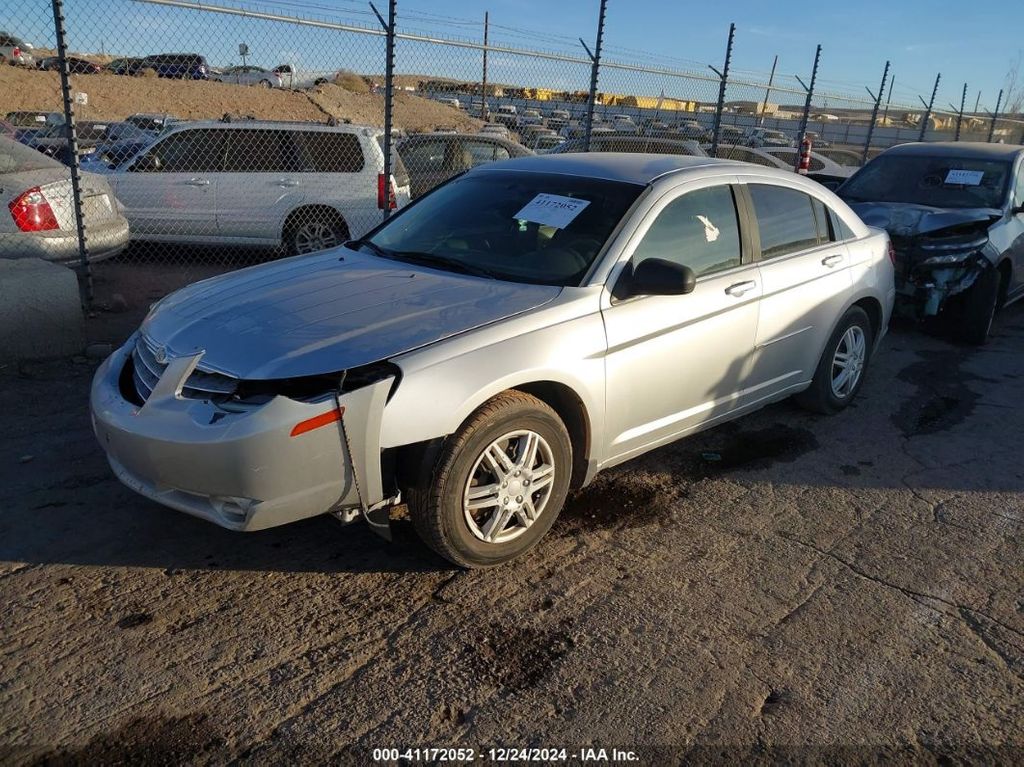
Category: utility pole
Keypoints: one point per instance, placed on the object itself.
(768, 90)
(483, 89)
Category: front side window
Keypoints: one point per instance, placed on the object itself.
(523, 227)
(785, 219)
(698, 230)
(190, 151)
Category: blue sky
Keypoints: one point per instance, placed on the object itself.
(920, 37)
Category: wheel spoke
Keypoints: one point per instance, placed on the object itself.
(839, 382)
(498, 462)
(483, 496)
(528, 453)
(542, 477)
(497, 523)
(530, 510)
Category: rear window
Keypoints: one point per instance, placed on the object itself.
(328, 152)
(18, 158)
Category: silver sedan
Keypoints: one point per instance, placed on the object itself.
(248, 75)
(37, 215)
(495, 344)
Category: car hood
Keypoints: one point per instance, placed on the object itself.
(311, 315)
(910, 220)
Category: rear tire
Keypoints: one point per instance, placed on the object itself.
(311, 230)
(847, 351)
(980, 305)
(498, 484)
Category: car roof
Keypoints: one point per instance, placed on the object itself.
(279, 124)
(628, 167)
(964, 149)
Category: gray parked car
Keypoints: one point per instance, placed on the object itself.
(432, 158)
(35, 194)
(955, 212)
(494, 344)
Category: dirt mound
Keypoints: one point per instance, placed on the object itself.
(113, 97)
(412, 113)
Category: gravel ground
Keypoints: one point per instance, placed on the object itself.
(845, 588)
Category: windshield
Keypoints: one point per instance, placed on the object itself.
(941, 182)
(523, 227)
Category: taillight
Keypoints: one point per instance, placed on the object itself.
(892, 253)
(31, 212)
(15, 52)
(386, 191)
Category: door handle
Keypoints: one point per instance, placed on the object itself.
(831, 261)
(198, 182)
(739, 288)
(286, 182)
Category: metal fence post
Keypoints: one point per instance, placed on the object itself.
(723, 78)
(928, 107)
(960, 115)
(992, 129)
(72, 137)
(389, 92)
(595, 68)
(483, 84)
(807, 105)
(874, 113)
(768, 90)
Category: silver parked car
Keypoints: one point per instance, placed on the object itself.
(494, 344)
(39, 220)
(249, 75)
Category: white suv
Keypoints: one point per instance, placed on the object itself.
(301, 186)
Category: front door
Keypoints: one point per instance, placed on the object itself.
(170, 192)
(677, 362)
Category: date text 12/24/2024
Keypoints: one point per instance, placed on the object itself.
(504, 754)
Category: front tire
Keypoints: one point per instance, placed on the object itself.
(498, 485)
(841, 369)
(980, 305)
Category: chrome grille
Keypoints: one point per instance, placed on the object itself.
(201, 384)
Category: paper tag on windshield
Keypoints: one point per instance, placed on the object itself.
(965, 177)
(552, 210)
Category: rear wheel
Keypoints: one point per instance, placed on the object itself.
(980, 304)
(498, 485)
(841, 369)
(309, 231)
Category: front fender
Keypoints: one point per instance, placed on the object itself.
(443, 384)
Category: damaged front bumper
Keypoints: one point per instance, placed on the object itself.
(243, 469)
(924, 284)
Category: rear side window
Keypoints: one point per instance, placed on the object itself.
(698, 230)
(839, 227)
(785, 219)
(260, 151)
(328, 152)
(821, 217)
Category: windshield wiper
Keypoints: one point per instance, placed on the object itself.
(376, 249)
(442, 262)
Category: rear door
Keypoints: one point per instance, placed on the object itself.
(260, 184)
(677, 362)
(806, 279)
(170, 192)
(337, 172)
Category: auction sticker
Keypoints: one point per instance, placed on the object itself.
(552, 210)
(965, 177)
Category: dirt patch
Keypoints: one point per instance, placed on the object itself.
(413, 113)
(517, 658)
(636, 499)
(147, 740)
(943, 397)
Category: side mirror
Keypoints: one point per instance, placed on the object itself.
(658, 277)
(148, 163)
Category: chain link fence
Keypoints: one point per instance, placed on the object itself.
(194, 137)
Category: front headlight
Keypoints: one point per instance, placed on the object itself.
(947, 260)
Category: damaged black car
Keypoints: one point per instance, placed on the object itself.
(955, 214)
